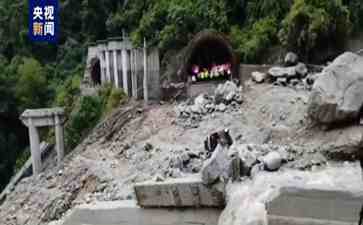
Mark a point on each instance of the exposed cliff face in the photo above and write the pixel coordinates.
(137, 143)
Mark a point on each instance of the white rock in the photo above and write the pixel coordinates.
(272, 160)
(301, 69)
(282, 71)
(200, 100)
(258, 77)
(291, 59)
(230, 96)
(196, 109)
(218, 166)
(221, 107)
(223, 90)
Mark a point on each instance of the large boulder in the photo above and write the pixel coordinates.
(337, 93)
(291, 59)
(272, 161)
(277, 72)
(218, 167)
(258, 77)
(301, 69)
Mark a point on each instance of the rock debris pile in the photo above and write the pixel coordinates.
(292, 156)
(247, 159)
(294, 74)
(227, 98)
(179, 162)
(226, 162)
(186, 162)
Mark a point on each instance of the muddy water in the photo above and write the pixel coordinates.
(246, 200)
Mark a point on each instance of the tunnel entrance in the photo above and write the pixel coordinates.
(96, 72)
(209, 57)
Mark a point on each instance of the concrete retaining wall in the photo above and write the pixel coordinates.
(311, 206)
(128, 213)
(182, 192)
(294, 206)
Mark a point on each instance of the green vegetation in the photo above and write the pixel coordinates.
(252, 41)
(313, 25)
(82, 119)
(84, 112)
(68, 93)
(43, 75)
(112, 97)
(259, 9)
(22, 158)
(171, 23)
(355, 7)
(31, 86)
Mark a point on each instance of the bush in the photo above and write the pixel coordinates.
(172, 23)
(356, 14)
(31, 88)
(315, 25)
(84, 112)
(21, 159)
(114, 100)
(250, 43)
(83, 119)
(257, 9)
(111, 98)
(68, 93)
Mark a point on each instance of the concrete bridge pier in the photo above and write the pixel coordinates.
(59, 137)
(36, 118)
(35, 147)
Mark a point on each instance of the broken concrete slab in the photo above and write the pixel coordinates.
(309, 205)
(182, 192)
(127, 212)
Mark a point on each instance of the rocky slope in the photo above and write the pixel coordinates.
(137, 143)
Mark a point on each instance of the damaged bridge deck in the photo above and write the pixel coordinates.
(293, 206)
(313, 206)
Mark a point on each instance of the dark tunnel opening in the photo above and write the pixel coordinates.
(96, 72)
(209, 56)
